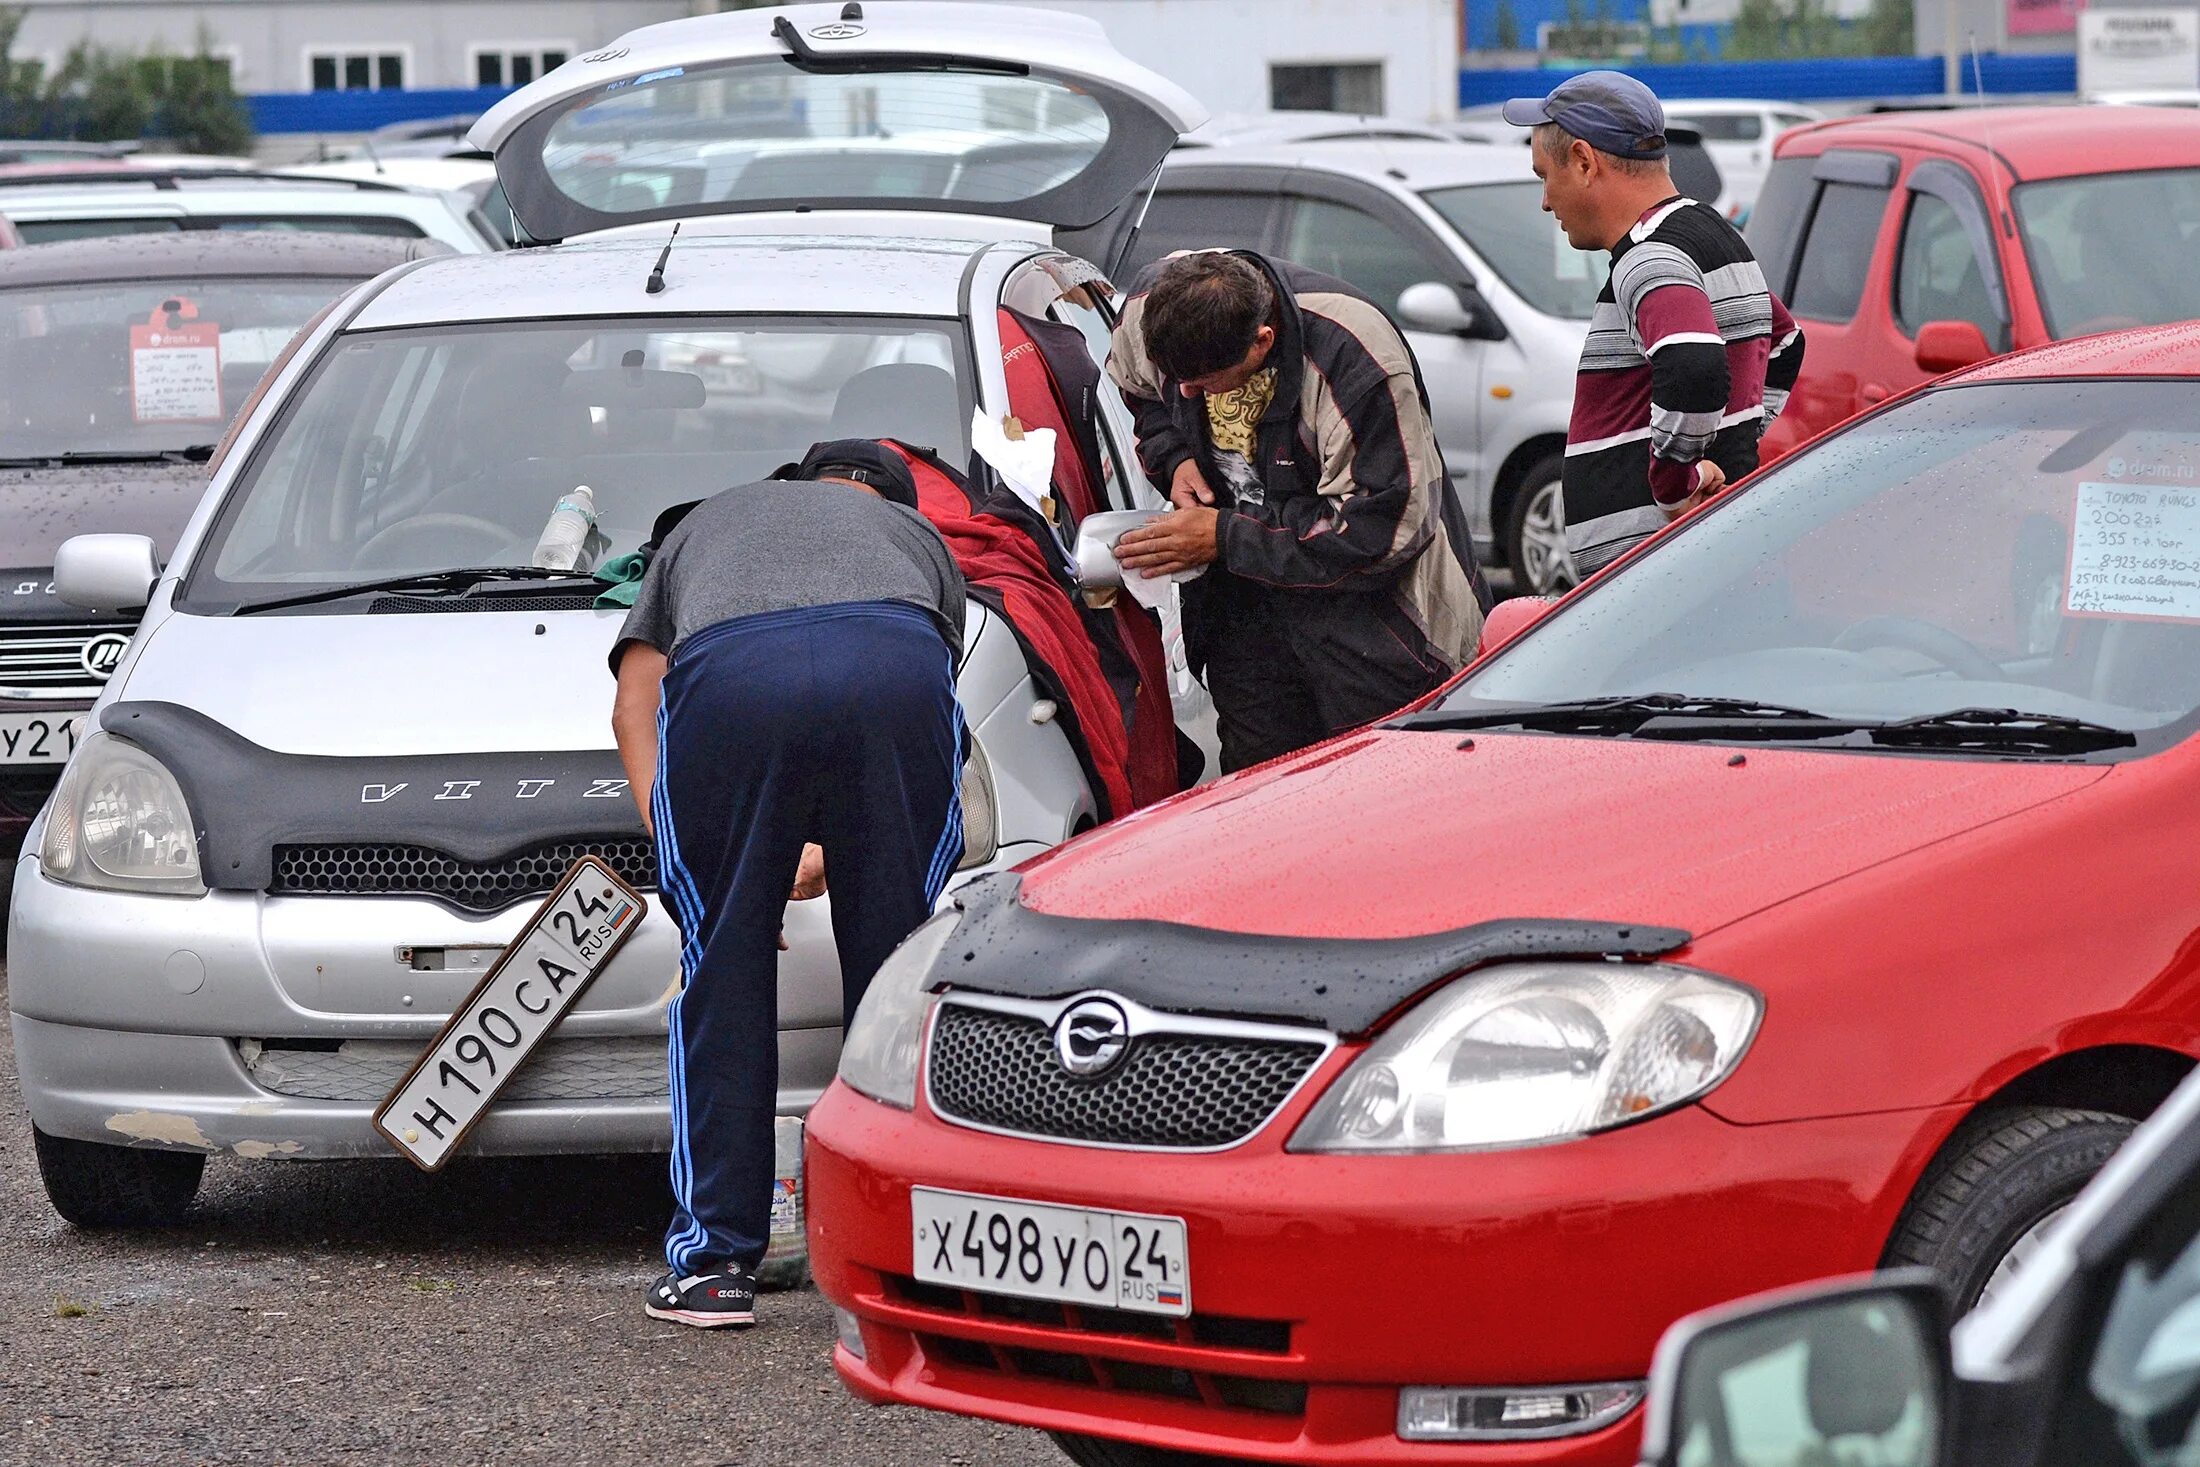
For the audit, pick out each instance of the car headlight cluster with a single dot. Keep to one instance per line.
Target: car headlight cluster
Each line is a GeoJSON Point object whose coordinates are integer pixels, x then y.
{"type": "Point", "coordinates": [1529, 1053]}
{"type": "Point", "coordinates": [879, 1056]}
{"type": "Point", "coordinates": [981, 820]}
{"type": "Point", "coordinates": [119, 822]}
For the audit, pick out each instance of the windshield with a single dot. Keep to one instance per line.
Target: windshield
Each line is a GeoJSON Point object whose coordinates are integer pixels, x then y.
{"type": "Point", "coordinates": [421, 450]}
{"type": "Point", "coordinates": [750, 133]}
{"type": "Point", "coordinates": [2029, 546]}
{"type": "Point", "coordinates": [2095, 267]}
{"type": "Point", "coordinates": [141, 366]}
{"type": "Point", "coordinates": [1506, 225]}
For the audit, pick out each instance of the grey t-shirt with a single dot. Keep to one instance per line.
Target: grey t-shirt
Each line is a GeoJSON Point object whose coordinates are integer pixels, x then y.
{"type": "Point", "coordinates": [783, 544]}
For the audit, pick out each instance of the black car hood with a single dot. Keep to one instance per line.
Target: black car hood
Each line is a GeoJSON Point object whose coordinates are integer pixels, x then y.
{"type": "Point", "coordinates": [1346, 985]}
{"type": "Point", "coordinates": [40, 508]}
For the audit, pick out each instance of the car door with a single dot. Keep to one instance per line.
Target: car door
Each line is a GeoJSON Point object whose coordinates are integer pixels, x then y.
{"type": "Point", "coordinates": [1366, 238]}
{"type": "Point", "coordinates": [1946, 267]}
{"type": "Point", "coordinates": [1823, 229]}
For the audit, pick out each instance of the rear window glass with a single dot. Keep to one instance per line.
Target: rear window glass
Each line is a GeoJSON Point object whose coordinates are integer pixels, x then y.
{"type": "Point", "coordinates": [1837, 254]}
{"type": "Point", "coordinates": [745, 134]}
{"type": "Point", "coordinates": [47, 231]}
{"type": "Point", "coordinates": [1198, 221]}
{"type": "Point", "coordinates": [1776, 221]}
{"type": "Point", "coordinates": [1719, 127]}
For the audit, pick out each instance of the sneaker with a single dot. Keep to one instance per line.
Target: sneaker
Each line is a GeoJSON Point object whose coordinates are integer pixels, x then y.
{"type": "Point", "coordinates": [705, 1300]}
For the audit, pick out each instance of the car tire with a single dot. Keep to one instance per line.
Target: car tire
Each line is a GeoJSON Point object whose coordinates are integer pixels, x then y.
{"type": "Point", "coordinates": [1537, 511]}
{"type": "Point", "coordinates": [2000, 1177]}
{"type": "Point", "coordinates": [98, 1186]}
{"type": "Point", "coordinates": [1094, 1451]}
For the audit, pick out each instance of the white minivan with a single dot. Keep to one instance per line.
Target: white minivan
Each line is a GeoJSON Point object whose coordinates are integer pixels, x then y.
{"type": "Point", "coordinates": [358, 735]}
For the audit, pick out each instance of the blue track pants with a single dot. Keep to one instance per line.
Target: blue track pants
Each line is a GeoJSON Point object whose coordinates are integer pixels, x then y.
{"type": "Point", "coordinates": [833, 724]}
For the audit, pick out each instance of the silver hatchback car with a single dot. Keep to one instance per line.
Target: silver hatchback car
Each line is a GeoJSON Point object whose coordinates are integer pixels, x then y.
{"type": "Point", "coordinates": [357, 735]}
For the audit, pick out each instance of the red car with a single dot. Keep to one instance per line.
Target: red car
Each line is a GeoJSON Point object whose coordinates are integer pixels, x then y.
{"type": "Point", "coordinates": [1908, 245]}
{"type": "Point", "coordinates": [1817, 889]}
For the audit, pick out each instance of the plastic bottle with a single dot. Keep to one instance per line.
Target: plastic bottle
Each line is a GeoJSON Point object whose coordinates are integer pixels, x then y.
{"type": "Point", "coordinates": [787, 1258]}
{"type": "Point", "coordinates": [567, 533]}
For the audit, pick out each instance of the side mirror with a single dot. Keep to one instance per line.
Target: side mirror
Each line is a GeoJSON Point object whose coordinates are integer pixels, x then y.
{"type": "Point", "coordinates": [1435, 306]}
{"type": "Point", "coordinates": [1944, 346]}
{"type": "Point", "coordinates": [1853, 1370]}
{"type": "Point", "coordinates": [105, 572]}
{"type": "Point", "coordinates": [1509, 618]}
{"type": "Point", "coordinates": [1097, 568]}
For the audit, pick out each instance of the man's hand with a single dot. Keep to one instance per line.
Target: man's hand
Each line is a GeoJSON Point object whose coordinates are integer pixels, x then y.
{"type": "Point", "coordinates": [1188, 490]}
{"type": "Point", "coordinates": [809, 877]}
{"type": "Point", "coordinates": [1710, 479]}
{"type": "Point", "coordinates": [1179, 541]}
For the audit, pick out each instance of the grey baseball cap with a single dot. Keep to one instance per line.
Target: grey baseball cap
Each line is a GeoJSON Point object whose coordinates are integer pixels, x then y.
{"type": "Point", "coordinates": [1608, 110]}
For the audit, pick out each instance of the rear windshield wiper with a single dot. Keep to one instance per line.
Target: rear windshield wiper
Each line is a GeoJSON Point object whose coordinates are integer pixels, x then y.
{"type": "Point", "coordinates": [196, 453]}
{"type": "Point", "coordinates": [1618, 714]}
{"type": "Point", "coordinates": [2002, 729]}
{"type": "Point", "coordinates": [456, 582]}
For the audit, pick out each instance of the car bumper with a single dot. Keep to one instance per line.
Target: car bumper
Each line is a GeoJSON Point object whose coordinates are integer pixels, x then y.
{"type": "Point", "coordinates": [1545, 1266]}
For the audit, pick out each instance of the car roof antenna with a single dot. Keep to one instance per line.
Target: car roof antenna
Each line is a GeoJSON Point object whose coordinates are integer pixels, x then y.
{"type": "Point", "coordinates": [657, 272]}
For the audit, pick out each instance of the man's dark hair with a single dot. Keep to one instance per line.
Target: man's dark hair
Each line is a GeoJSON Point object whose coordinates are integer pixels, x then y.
{"type": "Point", "coordinates": [1203, 313]}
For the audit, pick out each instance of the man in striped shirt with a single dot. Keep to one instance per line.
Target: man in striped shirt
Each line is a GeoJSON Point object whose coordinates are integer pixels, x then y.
{"type": "Point", "coordinates": [1689, 355]}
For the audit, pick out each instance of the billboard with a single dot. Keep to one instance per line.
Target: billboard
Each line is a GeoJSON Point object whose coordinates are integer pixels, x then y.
{"type": "Point", "coordinates": [2040, 17]}
{"type": "Point", "coordinates": [2138, 50]}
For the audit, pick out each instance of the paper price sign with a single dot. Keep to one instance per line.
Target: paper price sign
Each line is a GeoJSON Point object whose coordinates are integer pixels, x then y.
{"type": "Point", "coordinates": [535, 983]}
{"type": "Point", "coordinates": [2135, 552]}
{"type": "Point", "coordinates": [176, 372]}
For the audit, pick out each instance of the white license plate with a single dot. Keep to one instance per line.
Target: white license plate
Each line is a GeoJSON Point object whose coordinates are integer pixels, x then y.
{"type": "Point", "coordinates": [1072, 1255]}
{"type": "Point", "coordinates": [38, 738]}
{"type": "Point", "coordinates": [537, 981]}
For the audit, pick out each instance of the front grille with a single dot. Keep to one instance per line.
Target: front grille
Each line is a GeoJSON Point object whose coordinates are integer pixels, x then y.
{"type": "Point", "coordinates": [1080, 1340]}
{"type": "Point", "coordinates": [475, 886]}
{"type": "Point", "coordinates": [46, 660]}
{"type": "Point", "coordinates": [1169, 1091]}
{"type": "Point", "coordinates": [368, 1069]}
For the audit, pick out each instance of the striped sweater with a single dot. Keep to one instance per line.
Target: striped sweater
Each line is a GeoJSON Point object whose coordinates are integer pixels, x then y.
{"type": "Point", "coordinates": [1689, 356]}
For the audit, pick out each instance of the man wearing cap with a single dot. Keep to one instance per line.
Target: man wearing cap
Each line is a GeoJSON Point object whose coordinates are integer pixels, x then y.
{"type": "Point", "coordinates": [786, 677]}
{"type": "Point", "coordinates": [1689, 354]}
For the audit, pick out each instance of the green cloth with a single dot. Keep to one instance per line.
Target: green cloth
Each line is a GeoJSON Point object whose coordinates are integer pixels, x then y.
{"type": "Point", "coordinates": [624, 573]}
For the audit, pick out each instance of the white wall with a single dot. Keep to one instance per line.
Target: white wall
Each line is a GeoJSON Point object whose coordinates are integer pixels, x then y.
{"type": "Point", "coordinates": [1220, 50]}
{"type": "Point", "coordinates": [267, 40]}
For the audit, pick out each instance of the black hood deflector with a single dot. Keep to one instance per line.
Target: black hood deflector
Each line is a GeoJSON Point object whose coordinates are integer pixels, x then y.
{"type": "Point", "coordinates": [246, 800]}
{"type": "Point", "coordinates": [1346, 985]}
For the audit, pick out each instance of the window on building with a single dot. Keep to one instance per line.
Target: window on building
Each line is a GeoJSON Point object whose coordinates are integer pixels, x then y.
{"type": "Point", "coordinates": [1355, 86]}
{"type": "Point", "coordinates": [356, 71]}
{"type": "Point", "coordinates": [1837, 254]}
{"type": "Point", "coordinates": [516, 66]}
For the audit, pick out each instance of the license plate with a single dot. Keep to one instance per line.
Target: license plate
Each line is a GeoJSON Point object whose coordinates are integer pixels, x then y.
{"type": "Point", "coordinates": [1071, 1255]}
{"type": "Point", "coordinates": [38, 738]}
{"type": "Point", "coordinates": [540, 977]}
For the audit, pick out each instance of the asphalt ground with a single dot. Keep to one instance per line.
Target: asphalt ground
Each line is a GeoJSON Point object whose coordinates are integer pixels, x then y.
{"type": "Point", "coordinates": [311, 1313]}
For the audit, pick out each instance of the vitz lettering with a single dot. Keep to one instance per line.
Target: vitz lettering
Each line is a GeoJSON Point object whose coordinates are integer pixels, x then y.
{"type": "Point", "coordinates": [463, 789]}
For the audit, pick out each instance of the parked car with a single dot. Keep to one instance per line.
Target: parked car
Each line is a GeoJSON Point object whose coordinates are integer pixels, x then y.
{"type": "Point", "coordinates": [80, 201]}
{"type": "Point", "coordinates": [359, 734]}
{"type": "Point", "coordinates": [1740, 136]}
{"type": "Point", "coordinates": [472, 177]}
{"type": "Point", "coordinates": [1855, 930]}
{"type": "Point", "coordinates": [1453, 242]}
{"type": "Point", "coordinates": [1908, 246]}
{"type": "Point", "coordinates": [422, 137]}
{"type": "Point", "coordinates": [1270, 129]}
{"type": "Point", "coordinates": [2085, 1359]}
{"type": "Point", "coordinates": [94, 438]}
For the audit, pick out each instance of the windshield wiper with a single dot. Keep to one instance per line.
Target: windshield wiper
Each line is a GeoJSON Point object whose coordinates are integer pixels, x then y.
{"type": "Point", "coordinates": [1622, 714]}
{"type": "Point", "coordinates": [2002, 729]}
{"type": "Point", "coordinates": [453, 582]}
{"type": "Point", "coordinates": [194, 453]}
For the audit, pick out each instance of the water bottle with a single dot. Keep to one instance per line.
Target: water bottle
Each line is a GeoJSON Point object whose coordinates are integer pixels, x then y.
{"type": "Point", "coordinates": [787, 1258]}
{"type": "Point", "coordinates": [567, 533]}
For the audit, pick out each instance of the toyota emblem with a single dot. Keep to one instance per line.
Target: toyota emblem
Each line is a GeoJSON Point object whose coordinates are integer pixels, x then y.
{"type": "Point", "coordinates": [103, 654]}
{"type": "Point", "coordinates": [837, 31]}
{"type": "Point", "coordinates": [1091, 1037]}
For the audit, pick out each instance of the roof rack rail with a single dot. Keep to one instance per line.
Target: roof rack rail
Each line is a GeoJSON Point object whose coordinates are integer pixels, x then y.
{"type": "Point", "coordinates": [170, 178]}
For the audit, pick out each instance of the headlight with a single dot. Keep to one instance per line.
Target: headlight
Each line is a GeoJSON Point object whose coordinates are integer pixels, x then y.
{"type": "Point", "coordinates": [981, 825]}
{"type": "Point", "coordinates": [1525, 1054]}
{"type": "Point", "coordinates": [119, 822]}
{"type": "Point", "coordinates": [879, 1056]}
